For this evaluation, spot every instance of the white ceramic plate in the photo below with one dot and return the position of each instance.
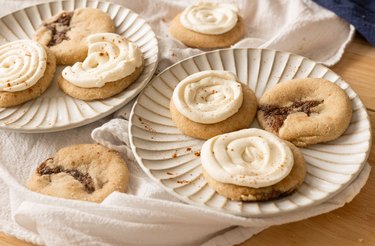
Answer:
(170, 158)
(54, 110)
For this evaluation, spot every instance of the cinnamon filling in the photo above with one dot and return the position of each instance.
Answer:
(275, 115)
(84, 178)
(59, 28)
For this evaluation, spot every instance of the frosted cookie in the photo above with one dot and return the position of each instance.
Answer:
(26, 71)
(210, 103)
(305, 111)
(88, 172)
(252, 165)
(65, 33)
(208, 25)
(111, 65)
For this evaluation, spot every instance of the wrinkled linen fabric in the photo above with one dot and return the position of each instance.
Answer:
(148, 215)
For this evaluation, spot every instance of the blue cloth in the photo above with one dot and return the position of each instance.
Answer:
(359, 13)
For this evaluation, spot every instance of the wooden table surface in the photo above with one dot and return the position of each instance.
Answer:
(354, 224)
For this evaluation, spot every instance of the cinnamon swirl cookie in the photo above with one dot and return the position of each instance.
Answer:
(88, 172)
(26, 71)
(65, 33)
(252, 165)
(111, 65)
(210, 103)
(305, 111)
(208, 25)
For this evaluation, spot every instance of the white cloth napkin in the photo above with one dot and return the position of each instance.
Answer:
(147, 215)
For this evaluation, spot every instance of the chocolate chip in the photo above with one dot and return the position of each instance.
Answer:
(64, 19)
(59, 28)
(275, 115)
(84, 178)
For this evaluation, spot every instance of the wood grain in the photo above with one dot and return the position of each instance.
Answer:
(354, 224)
(357, 67)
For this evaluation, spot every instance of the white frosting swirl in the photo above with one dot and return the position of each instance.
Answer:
(208, 97)
(209, 18)
(22, 64)
(110, 57)
(251, 157)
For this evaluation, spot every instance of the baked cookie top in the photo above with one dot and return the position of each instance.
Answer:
(87, 172)
(22, 65)
(65, 33)
(110, 57)
(305, 111)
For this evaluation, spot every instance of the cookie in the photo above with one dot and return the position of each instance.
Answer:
(210, 103)
(252, 165)
(305, 111)
(88, 172)
(26, 71)
(65, 33)
(208, 25)
(108, 90)
(112, 64)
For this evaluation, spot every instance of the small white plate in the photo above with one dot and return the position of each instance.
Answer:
(54, 110)
(171, 158)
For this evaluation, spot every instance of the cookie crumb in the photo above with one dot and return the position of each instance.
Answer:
(183, 181)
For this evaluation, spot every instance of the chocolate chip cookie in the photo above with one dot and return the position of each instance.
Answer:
(65, 33)
(305, 111)
(88, 172)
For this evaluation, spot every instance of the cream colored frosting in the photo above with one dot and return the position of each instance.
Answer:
(110, 57)
(210, 18)
(208, 97)
(252, 157)
(22, 64)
